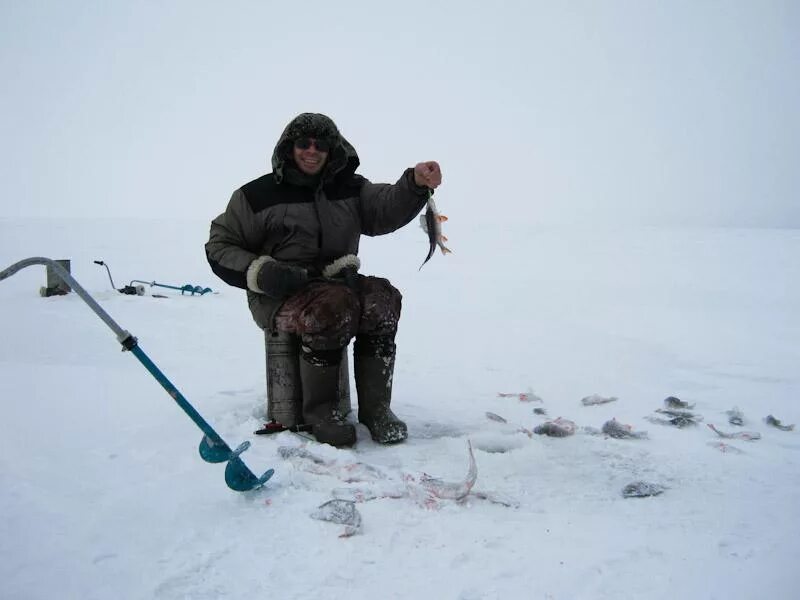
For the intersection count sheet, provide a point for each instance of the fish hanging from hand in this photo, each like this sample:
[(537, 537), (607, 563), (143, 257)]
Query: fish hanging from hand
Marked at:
[(431, 223)]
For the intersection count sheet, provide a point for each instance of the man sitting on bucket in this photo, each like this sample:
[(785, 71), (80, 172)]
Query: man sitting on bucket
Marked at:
[(290, 238)]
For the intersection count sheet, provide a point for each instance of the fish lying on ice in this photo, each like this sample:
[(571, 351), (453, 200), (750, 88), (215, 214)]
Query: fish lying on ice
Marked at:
[(376, 483), (615, 429), (366, 494), (642, 489), (679, 422), (673, 402), (427, 490), (559, 427), (770, 420), (674, 412), (735, 417), (596, 399), (748, 436), (521, 396), (495, 417), (678, 418), (343, 512), (431, 223)]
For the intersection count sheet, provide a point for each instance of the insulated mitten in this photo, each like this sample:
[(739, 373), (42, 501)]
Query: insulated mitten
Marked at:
[(344, 269), (277, 279)]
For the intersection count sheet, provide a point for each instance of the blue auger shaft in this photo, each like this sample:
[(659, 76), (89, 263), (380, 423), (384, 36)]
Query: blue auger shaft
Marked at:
[(176, 395), (213, 448)]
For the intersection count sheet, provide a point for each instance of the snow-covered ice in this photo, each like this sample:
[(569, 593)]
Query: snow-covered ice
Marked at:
[(103, 494)]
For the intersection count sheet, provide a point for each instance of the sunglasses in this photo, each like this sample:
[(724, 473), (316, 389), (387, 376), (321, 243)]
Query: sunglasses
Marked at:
[(304, 143)]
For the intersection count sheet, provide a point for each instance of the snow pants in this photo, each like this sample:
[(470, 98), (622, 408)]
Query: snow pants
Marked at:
[(327, 315)]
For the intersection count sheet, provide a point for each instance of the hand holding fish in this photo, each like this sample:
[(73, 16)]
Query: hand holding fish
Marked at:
[(428, 174)]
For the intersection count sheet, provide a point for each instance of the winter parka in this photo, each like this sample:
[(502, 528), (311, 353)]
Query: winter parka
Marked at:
[(302, 220)]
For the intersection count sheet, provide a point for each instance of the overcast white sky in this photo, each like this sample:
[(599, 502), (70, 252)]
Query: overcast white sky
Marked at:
[(547, 112)]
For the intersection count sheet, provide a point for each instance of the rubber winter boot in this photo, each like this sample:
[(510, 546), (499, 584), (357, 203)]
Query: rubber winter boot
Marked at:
[(320, 398), (374, 369)]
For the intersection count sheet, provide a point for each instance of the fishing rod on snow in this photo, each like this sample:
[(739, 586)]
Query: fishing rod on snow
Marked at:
[(138, 290)]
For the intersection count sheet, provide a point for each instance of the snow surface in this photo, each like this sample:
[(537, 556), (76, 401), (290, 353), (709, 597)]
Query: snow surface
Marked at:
[(103, 494)]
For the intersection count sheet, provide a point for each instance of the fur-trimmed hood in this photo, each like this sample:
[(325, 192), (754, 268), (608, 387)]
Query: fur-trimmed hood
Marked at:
[(342, 158)]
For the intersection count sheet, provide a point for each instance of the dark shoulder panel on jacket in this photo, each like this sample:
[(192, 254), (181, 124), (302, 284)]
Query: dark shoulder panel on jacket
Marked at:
[(345, 187), (264, 192)]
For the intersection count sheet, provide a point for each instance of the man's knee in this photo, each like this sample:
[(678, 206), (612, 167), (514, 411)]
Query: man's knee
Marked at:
[(330, 321), (381, 304)]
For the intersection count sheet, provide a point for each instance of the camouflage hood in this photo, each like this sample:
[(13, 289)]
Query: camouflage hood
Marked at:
[(342, 158)]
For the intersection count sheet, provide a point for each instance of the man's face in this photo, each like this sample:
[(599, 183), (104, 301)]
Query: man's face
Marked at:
[(310, 154)]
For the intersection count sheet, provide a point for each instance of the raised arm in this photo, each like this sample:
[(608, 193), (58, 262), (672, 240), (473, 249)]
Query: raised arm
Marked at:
[(388, 207)]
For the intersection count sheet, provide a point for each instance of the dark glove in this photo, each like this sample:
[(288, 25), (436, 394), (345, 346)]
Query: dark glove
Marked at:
[(350, 277), (279, 280), (344, 269)]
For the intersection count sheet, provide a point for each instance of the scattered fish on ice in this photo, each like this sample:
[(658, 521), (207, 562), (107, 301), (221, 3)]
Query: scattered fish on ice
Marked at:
[(596, 399), (770, 420), (642, 489), (735, 417), (615, 429), (495, 417), (359, 495), (539, 411), (427, 490), (673, 402), (528, 396), (679, 422), (677, 418), (375, 483), (559, 427), (674, 412), (342, 512), (349, 472), (747, 436)]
